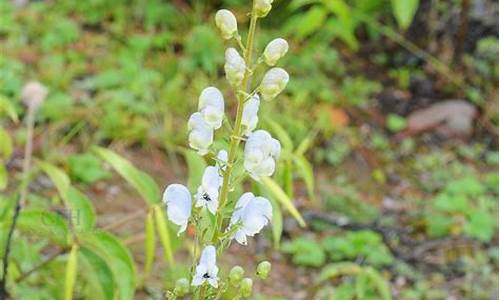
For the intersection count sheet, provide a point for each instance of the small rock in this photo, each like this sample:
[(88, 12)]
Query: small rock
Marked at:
[(450, 118)]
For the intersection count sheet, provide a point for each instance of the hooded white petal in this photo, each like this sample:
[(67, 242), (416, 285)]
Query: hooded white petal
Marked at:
[(207, 269), (261, 154), (252, 213), (208, 192), (226, 22), (262, 7), (250, 117), (177, 198), (234, 67), (273, 83), (201, 134), (211, 106), (275, 50)]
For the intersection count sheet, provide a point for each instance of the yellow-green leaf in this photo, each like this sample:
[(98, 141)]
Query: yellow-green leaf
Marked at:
[(58, 177), (196, 165), (142, 182), (5, 144), (306, 172), (71, 271), (4, 179), (82, 211), (149, 242), (278, 193), (45, 224), (165, 239), (8, 108), (404, 11), (97, 274)]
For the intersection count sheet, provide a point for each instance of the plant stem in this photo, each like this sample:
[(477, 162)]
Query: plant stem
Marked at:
[(28, 151), (236, 134)]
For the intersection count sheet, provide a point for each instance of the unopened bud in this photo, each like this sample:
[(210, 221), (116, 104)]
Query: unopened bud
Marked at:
[(181, 287), (235, 275), (246, 287), (273, 83), (34, 94), (275, 50), (226, 22), (262, 7), (263, 269), (234, 67)]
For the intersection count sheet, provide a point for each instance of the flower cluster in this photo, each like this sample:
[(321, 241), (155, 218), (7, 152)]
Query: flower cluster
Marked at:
[(250, 213)]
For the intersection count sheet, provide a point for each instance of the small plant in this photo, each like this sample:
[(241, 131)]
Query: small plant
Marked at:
[(215, 217)]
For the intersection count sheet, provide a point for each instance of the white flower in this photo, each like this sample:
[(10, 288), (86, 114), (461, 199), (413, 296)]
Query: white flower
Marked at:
[(273, 83), (211, 106), (201, 134), (253, 213), (208, 192), (275, 50), (226, 22), (261, 154), (33, 93), (206, 270), (262, 7), (222, 158), (177, 198), (234, 67), (250, 118)]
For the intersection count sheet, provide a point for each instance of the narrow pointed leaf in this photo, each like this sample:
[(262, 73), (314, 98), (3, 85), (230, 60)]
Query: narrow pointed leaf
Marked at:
[(71, 272), (149, 242), (165, 238), (97, 274)]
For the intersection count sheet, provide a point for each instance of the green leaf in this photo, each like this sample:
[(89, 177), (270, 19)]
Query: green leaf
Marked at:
[(404, 11), (162, 227), (4, 179), (141, 181), (149, 242), (281, 134), (311, 21), (45, 224), (379, 282), (338, 269), (7, 107), (117, 257), (277, 223), (275, 190), (71, 272), (97, 274), (196, 166), (86, 168), (82, 211), (58, 177), (395, 123), (306, 172), (5, 144), (305, 252)]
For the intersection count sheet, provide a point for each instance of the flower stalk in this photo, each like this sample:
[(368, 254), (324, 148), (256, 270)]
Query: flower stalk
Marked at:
[(236, 135)]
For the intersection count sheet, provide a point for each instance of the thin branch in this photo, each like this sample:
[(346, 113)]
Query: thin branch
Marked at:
[(40, 265), (28, 152)]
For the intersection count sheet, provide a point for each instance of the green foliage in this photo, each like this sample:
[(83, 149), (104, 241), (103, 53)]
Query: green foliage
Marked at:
[(464, 205), (142, 182), (305, 252), (395, 123), (365, 245), (404, 11), (86, 168)]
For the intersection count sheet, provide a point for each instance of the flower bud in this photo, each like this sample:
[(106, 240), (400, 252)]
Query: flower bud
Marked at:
[(33, 94), (226, 22), (262, 7), (236, 275), (273, 83), (250, 115), (275, 50), (181, 287), (234, 67), (263, 269), (246, 287), (211, 106), (201, 135)]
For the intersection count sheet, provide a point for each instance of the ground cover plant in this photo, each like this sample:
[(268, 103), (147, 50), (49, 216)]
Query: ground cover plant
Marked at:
[(159, 149)]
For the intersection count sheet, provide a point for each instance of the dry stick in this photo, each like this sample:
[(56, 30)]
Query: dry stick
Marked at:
[(40, 265), (28, 152)]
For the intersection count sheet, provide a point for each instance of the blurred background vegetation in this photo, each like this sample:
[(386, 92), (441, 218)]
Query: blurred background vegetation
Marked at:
[(389, 125)]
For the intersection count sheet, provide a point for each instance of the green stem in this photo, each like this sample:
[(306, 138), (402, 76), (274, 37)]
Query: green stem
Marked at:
[(236, 134)]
